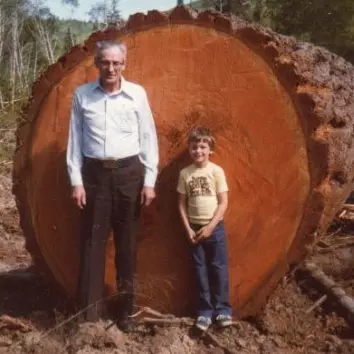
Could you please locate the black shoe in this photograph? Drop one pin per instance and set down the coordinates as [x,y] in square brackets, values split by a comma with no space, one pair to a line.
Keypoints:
[126,325]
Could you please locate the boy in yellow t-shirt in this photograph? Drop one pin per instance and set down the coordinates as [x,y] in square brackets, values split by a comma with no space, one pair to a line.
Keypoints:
[202,203]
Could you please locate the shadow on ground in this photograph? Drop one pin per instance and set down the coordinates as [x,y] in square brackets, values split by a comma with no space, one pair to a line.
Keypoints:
[25,293]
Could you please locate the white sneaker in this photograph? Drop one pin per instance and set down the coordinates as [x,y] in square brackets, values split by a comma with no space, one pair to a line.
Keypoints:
[203,323]
[223,321]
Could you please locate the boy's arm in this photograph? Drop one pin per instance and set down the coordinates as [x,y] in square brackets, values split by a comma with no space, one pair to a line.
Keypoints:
[206,231]
[183,212]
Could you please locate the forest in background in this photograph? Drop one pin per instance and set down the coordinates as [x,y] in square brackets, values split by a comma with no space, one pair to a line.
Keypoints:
[325,23]
[32,38]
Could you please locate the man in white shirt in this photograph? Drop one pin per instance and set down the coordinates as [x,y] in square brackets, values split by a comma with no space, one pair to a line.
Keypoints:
[112,159]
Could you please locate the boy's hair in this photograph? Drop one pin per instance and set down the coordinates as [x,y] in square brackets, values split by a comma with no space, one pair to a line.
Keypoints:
[203,134]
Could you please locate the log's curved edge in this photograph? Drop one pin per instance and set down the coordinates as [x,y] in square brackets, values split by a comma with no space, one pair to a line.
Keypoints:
[320,84]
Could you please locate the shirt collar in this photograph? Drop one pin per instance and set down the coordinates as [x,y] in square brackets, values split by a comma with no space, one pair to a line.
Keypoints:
[124,87]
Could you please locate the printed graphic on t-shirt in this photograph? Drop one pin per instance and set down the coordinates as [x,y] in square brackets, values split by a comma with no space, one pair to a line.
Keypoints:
[199,186]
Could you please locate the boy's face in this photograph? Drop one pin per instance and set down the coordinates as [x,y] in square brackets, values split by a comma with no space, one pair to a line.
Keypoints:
[199,152]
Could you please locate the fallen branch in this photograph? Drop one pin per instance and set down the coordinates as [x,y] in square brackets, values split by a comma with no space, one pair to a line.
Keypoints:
[344,238]
[82,311]
[348,206]
[319,302]
[11,323]
[341,214]
[290,275]
[6,162]
[335,247]
[151,312]
[137,314]
[158,319]
[326,238]
[333,290]
[17,100]
[172,320]
[73,317]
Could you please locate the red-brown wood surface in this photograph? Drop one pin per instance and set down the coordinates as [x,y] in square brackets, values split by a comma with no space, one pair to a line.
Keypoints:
[287,156]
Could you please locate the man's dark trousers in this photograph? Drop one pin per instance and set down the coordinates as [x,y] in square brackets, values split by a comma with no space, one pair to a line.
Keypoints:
[113,190]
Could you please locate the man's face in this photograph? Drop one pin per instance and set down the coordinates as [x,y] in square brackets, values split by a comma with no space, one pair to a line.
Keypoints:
[110,65]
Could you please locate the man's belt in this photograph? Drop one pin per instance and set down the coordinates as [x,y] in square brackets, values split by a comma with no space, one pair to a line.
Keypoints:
[110,163]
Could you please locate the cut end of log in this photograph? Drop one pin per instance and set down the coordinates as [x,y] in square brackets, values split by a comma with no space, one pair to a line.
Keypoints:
[274,114]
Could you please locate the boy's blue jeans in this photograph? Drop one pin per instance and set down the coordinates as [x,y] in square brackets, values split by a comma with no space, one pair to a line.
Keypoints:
[210,259]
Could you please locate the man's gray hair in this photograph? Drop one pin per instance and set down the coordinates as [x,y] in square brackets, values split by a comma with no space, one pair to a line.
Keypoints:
[108,44]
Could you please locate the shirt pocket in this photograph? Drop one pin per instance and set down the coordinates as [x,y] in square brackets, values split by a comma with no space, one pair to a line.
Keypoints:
[126,118]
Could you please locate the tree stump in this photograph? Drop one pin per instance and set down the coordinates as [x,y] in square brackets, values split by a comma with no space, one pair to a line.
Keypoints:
[282,115]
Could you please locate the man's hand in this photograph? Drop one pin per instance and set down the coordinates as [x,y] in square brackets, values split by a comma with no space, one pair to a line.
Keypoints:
[147,195]
[79,196]
[204,233]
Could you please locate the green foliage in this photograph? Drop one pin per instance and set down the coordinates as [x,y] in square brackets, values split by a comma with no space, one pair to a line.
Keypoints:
[31,38]
[113,12]
[327,23]
[69,40]
[79,30]
[105,12]
[197,5]
[323,22]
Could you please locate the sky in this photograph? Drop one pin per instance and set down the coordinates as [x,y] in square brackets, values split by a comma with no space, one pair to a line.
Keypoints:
[127,7]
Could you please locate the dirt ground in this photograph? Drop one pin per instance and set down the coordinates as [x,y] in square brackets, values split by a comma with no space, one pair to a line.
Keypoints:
[32,315]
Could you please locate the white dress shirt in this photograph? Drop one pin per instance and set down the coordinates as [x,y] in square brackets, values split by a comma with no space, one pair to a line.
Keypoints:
[111,126]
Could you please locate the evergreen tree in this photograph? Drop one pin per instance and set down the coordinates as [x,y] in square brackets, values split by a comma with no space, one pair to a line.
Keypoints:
[114,15]
[95,26]
[99,13]
[69,41]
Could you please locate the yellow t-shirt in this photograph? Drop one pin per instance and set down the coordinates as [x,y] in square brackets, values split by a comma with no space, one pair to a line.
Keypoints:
[201,185]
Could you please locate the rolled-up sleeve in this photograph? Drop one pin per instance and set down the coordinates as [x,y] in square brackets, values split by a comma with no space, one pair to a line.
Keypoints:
[149,154]
[74,151]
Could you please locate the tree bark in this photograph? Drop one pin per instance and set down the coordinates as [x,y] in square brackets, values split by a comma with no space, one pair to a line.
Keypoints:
[44,40]
[14,53]
[2,106]
[35,60]
[2,30]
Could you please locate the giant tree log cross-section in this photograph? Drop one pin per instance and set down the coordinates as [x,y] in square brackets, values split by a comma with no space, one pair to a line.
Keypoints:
[282,115]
